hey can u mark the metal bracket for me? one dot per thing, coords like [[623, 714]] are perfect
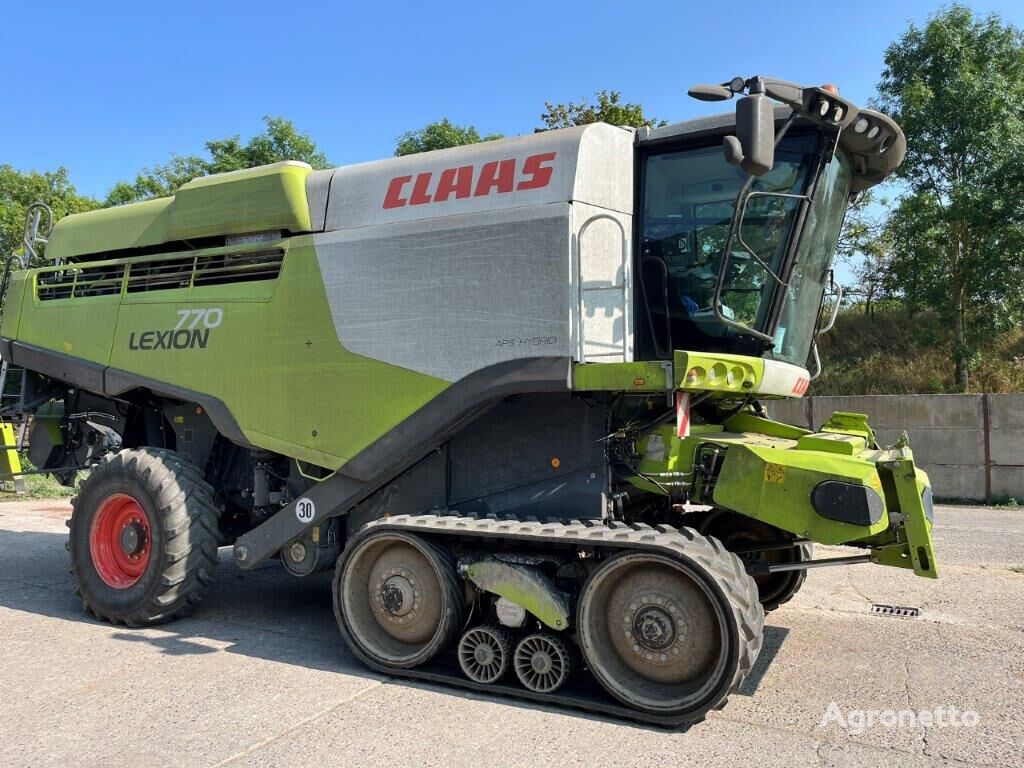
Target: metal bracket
[[763, 569], [523, 585], [670, 384]]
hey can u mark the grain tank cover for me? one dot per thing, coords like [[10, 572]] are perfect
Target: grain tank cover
[[270, 197], [589, 164]]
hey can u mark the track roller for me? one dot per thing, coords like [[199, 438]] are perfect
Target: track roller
[[397, 598], [542, 663], [484, 654]]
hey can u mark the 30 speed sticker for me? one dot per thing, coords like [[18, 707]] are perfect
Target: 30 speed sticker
[[305, 509]]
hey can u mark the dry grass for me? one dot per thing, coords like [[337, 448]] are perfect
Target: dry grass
[[891, 354]]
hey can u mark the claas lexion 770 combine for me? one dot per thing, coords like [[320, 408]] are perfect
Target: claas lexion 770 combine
[[513, 393]]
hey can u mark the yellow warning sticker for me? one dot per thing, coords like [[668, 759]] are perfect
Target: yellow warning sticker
[[774, 473]]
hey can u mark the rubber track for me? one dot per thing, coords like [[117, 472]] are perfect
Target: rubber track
[[708, 553], [188, 515]]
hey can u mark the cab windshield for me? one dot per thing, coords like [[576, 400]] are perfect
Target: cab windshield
[[687, 201], [795, 331]]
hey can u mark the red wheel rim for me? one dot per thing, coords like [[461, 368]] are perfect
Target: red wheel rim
[[120, 541]]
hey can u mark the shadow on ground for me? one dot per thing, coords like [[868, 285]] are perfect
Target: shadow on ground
[[264, 614]]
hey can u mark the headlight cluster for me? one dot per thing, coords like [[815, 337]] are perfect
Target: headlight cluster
[[829, 110], [872, 131]]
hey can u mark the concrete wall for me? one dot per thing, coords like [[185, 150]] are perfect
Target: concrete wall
[[972, 446]]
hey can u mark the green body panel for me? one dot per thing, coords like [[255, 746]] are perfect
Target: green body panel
[[253, 200], [745, 421], [647, 376], [775, 486], [832, 442], [273, 359], [11, 319], [713, 372], [109, 229], [770, 469], [81, 327], [841, 422]]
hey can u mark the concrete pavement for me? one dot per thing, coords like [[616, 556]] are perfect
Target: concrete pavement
[[260, 676]]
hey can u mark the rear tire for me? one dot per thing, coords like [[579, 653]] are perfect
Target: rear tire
[[397, 598], [143, 540]]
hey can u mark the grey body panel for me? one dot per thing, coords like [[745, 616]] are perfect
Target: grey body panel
[[318, 187], [591, 164], [446, 284], [448, 297]]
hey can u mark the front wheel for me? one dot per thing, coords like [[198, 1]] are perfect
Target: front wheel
[[143, 539], [671, 636], [741, 533]]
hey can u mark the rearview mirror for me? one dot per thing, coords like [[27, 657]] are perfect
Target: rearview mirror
[[753, 146]]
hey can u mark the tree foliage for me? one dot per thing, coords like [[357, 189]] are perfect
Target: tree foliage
[[956, 86], [440, 135], [865, 246], [280, 140], [608, 108], [19, 189]]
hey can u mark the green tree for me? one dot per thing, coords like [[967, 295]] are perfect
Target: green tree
[[607, 109], [956, 86], [866, 248], [19, 189], [440, 135], [158, 180], [280, 140]]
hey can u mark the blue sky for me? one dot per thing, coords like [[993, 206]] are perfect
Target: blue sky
[[105, 89]]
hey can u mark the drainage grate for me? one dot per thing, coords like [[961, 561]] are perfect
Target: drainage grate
[[899, 611]]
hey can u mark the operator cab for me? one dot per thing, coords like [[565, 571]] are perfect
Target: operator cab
[[732, 261]]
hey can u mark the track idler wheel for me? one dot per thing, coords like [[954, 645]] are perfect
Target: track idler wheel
[[397, 599], [542, 663], [484, 654], [670, 636]]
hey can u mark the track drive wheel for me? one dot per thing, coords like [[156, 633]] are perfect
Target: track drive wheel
[[143, 537], [397, 598], [671, 636]]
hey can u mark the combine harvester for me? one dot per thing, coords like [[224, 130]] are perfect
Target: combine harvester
[[511, 392]]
